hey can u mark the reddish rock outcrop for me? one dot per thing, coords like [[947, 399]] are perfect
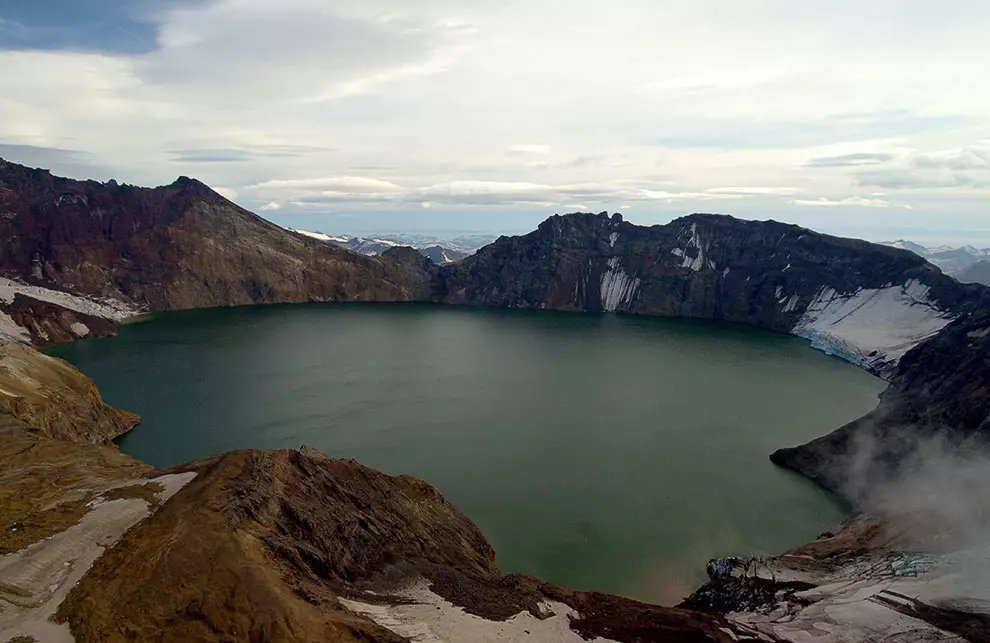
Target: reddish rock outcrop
[[178, 246]]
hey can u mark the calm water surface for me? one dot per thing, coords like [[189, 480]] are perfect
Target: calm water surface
[[598, 451]]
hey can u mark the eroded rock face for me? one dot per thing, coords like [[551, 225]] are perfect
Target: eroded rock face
[[48, 323]]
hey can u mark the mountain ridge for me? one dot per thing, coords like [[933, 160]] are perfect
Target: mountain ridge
[[951, 260], [977, 273], [169, 248]]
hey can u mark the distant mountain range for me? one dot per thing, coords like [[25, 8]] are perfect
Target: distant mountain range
[[952, 261], [978, 273], [438, 250]]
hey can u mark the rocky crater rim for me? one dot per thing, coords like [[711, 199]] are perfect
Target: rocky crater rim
[[80, 252]]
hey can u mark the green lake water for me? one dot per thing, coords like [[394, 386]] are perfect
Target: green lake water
[[603, 452]]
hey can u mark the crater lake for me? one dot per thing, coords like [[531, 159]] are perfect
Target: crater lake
[[617, 453]]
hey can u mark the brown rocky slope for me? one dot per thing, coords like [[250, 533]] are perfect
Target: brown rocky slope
[[178, 246], [265, 545], [52, 396]]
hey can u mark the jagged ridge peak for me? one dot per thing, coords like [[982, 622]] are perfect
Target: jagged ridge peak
[[194, 187]]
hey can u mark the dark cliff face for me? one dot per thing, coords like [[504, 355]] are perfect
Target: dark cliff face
[[177, 246], [710, 266], [772, 275]]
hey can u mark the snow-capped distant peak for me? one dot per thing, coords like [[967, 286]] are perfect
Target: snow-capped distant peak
[[917, 248], [950, 259], [321, 236]]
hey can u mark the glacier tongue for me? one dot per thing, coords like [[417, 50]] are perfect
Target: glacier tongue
[[872, 327]]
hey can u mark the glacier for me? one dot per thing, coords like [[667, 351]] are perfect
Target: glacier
[[871, 327]]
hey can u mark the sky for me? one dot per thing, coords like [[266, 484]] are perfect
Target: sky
[[867, 118]]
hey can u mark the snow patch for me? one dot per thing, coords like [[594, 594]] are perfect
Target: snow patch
[[9, 329], [872, 327], [612, 239], [106, 308], [45, 572], [618, 288], [699, 261], [314, 235], [428, 618], [79, 328], [791, 304], [320, 236]]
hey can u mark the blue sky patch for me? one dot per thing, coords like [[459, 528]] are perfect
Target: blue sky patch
[[113, 26]]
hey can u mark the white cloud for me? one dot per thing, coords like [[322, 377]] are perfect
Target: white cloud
[[524, 149], [853, 201], [964, 168], [740, 191], [228, 193], [271, 206], [295, 50], [319, 193], [348, 184], [448, 101]]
